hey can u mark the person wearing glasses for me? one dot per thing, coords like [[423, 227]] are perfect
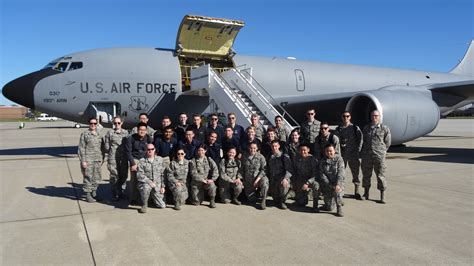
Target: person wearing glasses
[[324, 138], [310, 128], [350, 137], [254, 174], [90, 156], [214, 126], [177, 176], [136, 149], [143, 118], [238, 130], [259, 129], [377, 140], [204, 173], [150, 176], [230, 178], [117, 164]]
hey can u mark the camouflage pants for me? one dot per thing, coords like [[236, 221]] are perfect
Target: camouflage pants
[[354, 165], [225, 187], [378, 166], [249, 189], [180, 194], [197, 191], [134, 195], [146, 191], [301, 196], [92, 176], [118, 174], [329, 195], [279, 193]]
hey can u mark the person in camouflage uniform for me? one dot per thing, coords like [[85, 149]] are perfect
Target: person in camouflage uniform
[[350, 137], [150, 176], [90, 157], [177, 175], [377, 139], [324, 138], [280, 130], [310, 129], [117, 164], [293, 144], [331, 175], [253, 172], [279, 173], [259, 129], [230, 177], [204, 173], [305, 173]]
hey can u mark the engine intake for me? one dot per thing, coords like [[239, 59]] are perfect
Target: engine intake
[[408, 113]]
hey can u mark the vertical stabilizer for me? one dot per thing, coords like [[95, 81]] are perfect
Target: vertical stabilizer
[[466, 66]]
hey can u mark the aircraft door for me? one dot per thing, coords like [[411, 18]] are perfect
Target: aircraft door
[[300, 83], [104, 111]]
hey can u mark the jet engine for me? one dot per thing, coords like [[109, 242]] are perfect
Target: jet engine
[[408, 112]]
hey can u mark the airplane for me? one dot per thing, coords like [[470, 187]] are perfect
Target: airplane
[[204, 74]]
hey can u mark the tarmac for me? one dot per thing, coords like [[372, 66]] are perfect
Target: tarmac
[[428, 218]]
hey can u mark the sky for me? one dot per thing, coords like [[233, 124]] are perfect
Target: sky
[[430, 35]]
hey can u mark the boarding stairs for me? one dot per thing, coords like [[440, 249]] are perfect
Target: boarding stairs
[[235, 90]]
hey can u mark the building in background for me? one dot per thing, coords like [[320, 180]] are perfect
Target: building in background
[[13, 112]]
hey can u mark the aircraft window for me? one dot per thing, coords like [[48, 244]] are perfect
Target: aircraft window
[[61, 66], [52, 63], [75, 65]]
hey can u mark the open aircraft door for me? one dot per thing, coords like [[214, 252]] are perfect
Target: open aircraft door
[[207, 39]]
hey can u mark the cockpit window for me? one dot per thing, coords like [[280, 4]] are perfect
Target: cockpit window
[[75, 65], [61, 66], [52, 63]]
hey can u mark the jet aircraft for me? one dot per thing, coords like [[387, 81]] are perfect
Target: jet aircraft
[[203, 73]]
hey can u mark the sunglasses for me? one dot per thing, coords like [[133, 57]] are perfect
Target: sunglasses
[[324, 128], [117, 123], [180, 153], [150, 149], [92, 123]]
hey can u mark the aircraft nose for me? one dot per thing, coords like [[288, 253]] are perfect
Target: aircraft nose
[[21, 90]]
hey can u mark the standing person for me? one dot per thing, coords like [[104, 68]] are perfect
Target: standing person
[[177, 175], [305, 169], [213, 148], [204, 173], [230, 178], [165, 122], [267, 145], [324, 138], [259, 129], [189, 144], [253, 172], [114, 145], [150, 176], [229, 141], [310, 128], [293, 144], [143, 118], [90, 156], [215, 127], [331, 174], [238, 130], [350, 137], [181, 127], [280, 130], [279, 172], [250, 138], [165, 145], [136, 149], [377, 140], [199, 130]]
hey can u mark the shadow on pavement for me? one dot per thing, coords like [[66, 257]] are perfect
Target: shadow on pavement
[[445, 155], [74, 192], [60, 151]]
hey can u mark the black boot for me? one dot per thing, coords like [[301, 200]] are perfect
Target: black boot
[[357, 193], [366, 193], [315, 205], [382, 199]]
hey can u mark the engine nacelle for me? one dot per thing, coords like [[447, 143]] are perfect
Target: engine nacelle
[[408, 113]]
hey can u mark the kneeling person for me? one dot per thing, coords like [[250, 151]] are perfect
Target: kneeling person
[[280, 171], [204, 173], [331, 171], [150, 179], [177, 174], [230, 177]]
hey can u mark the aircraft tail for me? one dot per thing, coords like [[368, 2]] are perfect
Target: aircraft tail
[[466, 66]]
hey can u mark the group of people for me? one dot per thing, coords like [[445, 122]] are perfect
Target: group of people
[[189, 162]]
